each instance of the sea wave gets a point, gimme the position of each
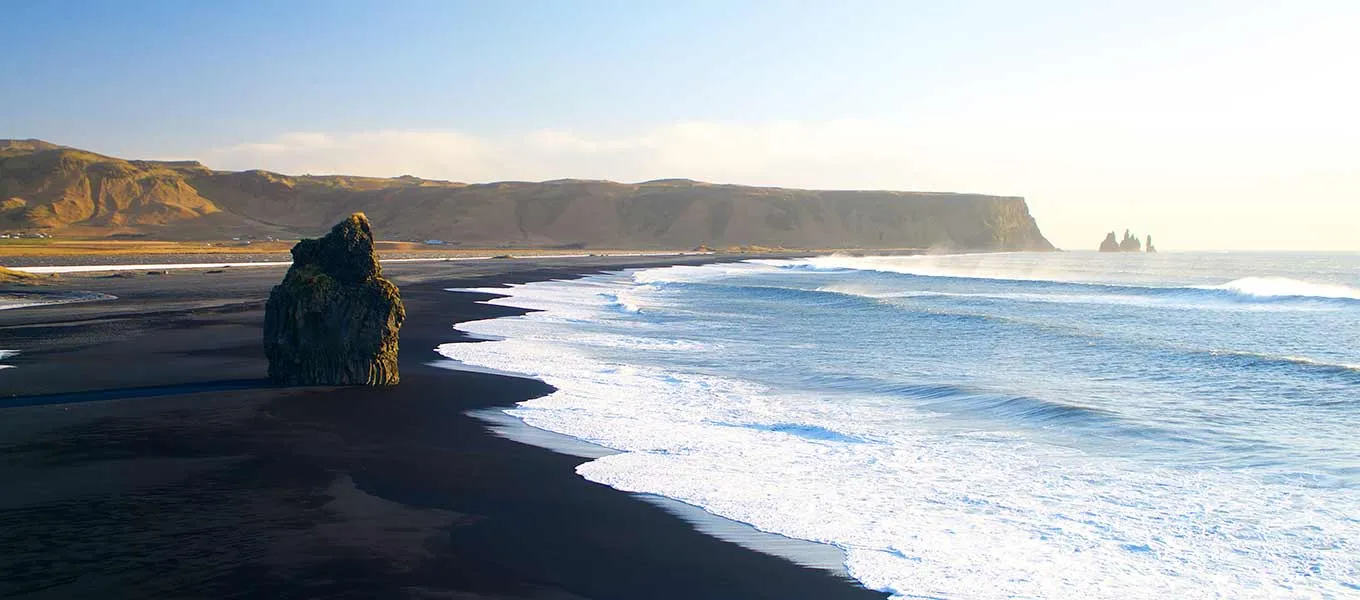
(1246, 290)
(1258, 358)
(1283, 287)
(952, 398)
(921, 506)
(925, 266)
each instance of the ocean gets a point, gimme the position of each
(1032, 425)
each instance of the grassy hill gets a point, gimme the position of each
(66, 191)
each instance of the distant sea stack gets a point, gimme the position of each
(334, 320)
(1111, 243)
(1130, 243)
(1150, 247)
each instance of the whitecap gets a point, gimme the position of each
(1281, 287)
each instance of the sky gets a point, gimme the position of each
(1210, 125)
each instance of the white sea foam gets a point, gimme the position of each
(7, 354)
(1026, 268)
(920, 510)
(9, 304)
(1170, 302)
(689, 274)
(30, 300)
(1274, 287)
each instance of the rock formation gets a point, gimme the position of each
(1130, 243)
(334, 319)
(1111, 244)
(1150, 247)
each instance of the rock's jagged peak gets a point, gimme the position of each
(1110, 243)
(1130, 243)
(345, 254)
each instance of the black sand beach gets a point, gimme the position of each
(143, 456)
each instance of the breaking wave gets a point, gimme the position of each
(1019, 286)
(1283, 287)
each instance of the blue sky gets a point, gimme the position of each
(1209, 124)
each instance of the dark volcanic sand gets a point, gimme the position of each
(141, 456)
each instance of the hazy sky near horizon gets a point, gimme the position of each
(1211, 125)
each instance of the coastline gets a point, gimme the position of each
(170, 469)
(802, 552)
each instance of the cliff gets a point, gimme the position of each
(74, 192)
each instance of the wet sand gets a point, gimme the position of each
(144, 457)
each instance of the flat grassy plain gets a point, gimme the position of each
(60, 247)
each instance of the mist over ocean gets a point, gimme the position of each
(1049, 425)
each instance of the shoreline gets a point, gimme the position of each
(801, 552)
(268, 492)
(805, 553)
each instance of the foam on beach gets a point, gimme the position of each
(919, 486)
(26, 300)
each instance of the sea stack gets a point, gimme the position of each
(1130, 243)
(1150, 247)
(334, 320)
(1110, 244)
